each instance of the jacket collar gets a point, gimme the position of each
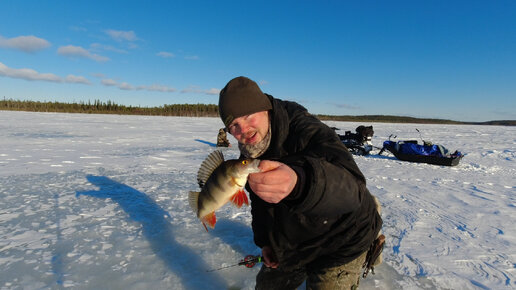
(279, 129)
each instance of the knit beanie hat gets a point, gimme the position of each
(240, 97)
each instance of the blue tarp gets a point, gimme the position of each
(416, 149)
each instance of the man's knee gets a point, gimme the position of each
(345, 276)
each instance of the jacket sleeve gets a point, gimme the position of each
(328, 177)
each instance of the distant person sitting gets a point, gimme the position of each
(222, 139)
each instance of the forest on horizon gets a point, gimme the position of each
(202, 110)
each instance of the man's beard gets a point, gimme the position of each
(256, 150)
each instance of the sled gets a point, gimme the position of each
(411, 151)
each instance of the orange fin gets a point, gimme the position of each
(209, 220)
(239, 198)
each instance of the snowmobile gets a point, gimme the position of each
(358, 143)
(410, 150)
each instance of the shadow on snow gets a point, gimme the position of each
(206, 142)
(238, 235)
(158, 231)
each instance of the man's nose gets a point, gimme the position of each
(243, 127)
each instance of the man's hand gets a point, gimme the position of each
(269, 258)
(275, 181)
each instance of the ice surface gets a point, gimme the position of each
(100, 202)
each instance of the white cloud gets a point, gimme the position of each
(126, 86)
(212, 91)
(165, 54)
(109, 82)
(77, 51)
(77, 80)
(159, 88)
(32, 75)
(24, 43)
(191, 89)
(27, 74)
(129, 87)
(197, 90)
(120, 35)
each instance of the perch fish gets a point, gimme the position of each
(220, 181)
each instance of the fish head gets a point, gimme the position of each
(243, 167)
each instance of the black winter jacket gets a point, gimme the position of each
(330, 218)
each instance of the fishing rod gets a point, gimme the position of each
(426, 143)
(249, 261)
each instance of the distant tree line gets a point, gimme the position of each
(403, 119)
(387, 119)
(109, 107)
(201, 110)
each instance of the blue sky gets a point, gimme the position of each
(439, 59)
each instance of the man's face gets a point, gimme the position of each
(250, 129)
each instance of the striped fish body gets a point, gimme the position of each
(220, 181)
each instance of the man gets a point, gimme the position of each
(312, 214)
(222, 140)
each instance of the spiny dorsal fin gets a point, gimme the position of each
(208, 166)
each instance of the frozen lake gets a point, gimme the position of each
(100, 202)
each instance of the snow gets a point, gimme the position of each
(100, 202)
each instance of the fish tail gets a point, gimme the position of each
(193, 200)
(239, 198)
(210, 220)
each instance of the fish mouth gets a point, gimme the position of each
(253, 167)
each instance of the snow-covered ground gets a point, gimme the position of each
(100, 202)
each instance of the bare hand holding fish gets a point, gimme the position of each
(275, 181)
(220, 181)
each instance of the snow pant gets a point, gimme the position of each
(345, 276)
